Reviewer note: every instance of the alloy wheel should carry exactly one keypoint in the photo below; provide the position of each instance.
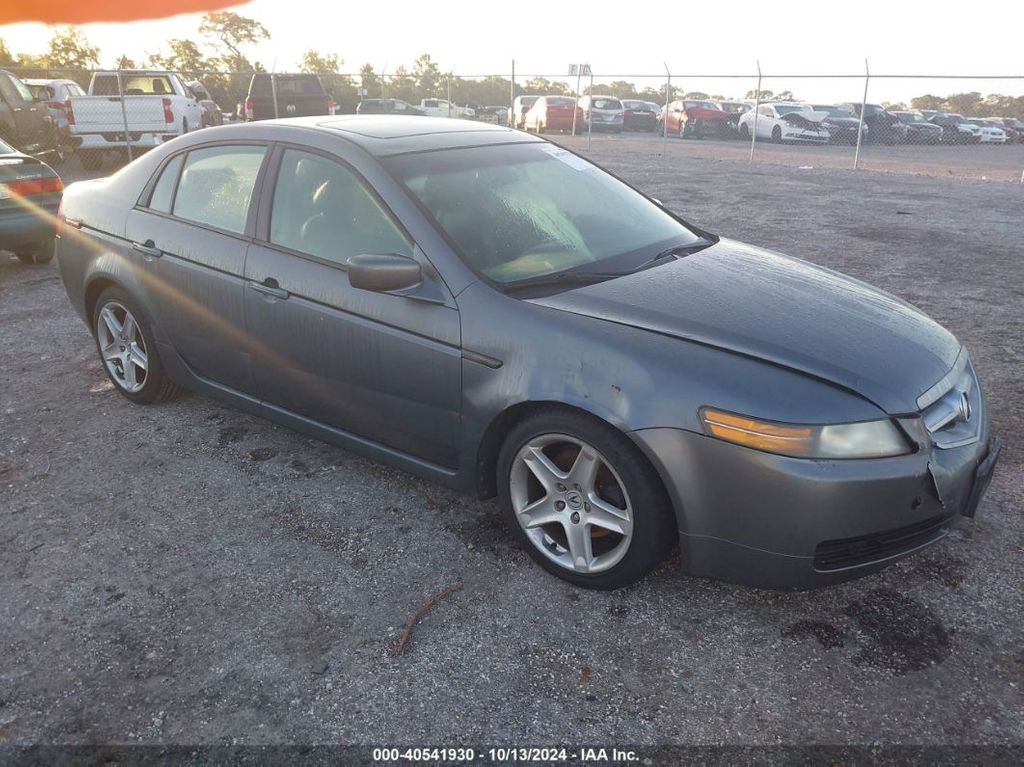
(571, 503)
(122, 346)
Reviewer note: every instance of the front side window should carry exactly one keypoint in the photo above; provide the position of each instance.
(323, 209)
(523, 211)
(216, 186)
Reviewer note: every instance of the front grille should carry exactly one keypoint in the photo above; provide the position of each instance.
(850, 552)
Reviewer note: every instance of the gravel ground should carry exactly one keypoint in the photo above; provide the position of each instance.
(187, 574)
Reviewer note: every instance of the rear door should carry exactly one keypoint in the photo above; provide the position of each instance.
(383, 366)
(190, 233)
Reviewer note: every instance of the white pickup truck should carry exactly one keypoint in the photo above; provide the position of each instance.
(441, 108)
(157, 107)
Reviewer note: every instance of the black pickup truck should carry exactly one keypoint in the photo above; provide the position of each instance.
(298, 95)
(25, 123)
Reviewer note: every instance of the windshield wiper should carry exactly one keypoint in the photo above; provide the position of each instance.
(675, 251)
(563, 278)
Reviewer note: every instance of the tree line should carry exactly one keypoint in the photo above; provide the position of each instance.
(219, 58)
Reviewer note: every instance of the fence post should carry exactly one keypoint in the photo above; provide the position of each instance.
(124, 115)
(512, 97)
(860, 123)
(590, 122)
(449, 94)
(664, 119)
(273, 94)
(757, 107)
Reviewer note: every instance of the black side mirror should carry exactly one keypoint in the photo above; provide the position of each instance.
(383, 272)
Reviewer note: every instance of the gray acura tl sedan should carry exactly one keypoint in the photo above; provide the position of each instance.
(483, 308)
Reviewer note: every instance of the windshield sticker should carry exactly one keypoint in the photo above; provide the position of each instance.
(574, 162)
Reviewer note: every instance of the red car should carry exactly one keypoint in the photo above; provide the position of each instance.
(694, 119)
(552, 113)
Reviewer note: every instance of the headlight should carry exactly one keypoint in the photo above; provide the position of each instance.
(867, 439)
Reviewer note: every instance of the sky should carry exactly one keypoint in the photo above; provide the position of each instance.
(725, 37)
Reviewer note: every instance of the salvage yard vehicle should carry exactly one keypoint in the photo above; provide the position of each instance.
(553, 113)
(30, 193)
(919, 130)
(694, 119)
(273, 95)
(443, 108)
(1014, 128)
(955, 129)
(600, 113)
(639, 115)
(57, 95)
(157, 108)
(842, 126)
(784, 122)
(883, 126)
(990, 133)
(387, 107)
(25, 121)
(734, 109)
(481, 307)
(517, 112)
(211, 112)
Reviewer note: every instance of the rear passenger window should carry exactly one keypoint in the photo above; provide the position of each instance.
(216, 186)
(163, 193)
(322, 208)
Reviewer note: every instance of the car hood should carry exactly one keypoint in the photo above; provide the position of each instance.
(805, 119)
(784, 311)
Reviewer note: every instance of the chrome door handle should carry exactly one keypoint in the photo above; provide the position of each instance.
(148, 249)
(269, 287)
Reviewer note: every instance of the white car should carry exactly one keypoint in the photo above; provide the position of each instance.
(602, 113)
(442, 108)
(990, 132)
(785, 122)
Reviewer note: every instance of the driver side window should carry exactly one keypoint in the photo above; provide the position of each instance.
(323, 209)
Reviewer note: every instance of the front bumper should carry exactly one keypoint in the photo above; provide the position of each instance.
(776, 522)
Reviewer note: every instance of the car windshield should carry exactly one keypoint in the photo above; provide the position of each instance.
(560, 101)
(522, 211)
(785, 109)
(601, 103)
(909, 117)
(699, 105)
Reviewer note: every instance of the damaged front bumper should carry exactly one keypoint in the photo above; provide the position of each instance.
(777, 522)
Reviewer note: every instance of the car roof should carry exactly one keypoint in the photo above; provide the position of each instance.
(388, 135)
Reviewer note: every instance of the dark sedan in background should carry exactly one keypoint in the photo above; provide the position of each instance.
(481, 307)
(30, 194)
(919, 130)
(842, 126)
(638, 115)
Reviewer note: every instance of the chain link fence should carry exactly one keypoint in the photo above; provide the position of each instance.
(961, 126)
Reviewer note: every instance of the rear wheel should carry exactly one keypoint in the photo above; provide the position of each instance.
(127, 348)
(42, 253)
(583, 501)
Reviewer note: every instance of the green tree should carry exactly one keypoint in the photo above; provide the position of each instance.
(968, 104)
(185, 57)
(125, 62)
(371, 81)
(927, 101)
(230, 32)
(428, 77)
(6, 57)
(766, 95)
(69, 49)
(541, 86)
(402, 85)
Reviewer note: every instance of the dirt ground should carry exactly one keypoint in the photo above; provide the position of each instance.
(187, 574)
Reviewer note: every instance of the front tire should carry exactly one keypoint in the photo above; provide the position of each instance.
(583, 500)
(127, 348)
(777, 134)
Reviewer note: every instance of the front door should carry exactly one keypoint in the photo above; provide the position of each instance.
(385, 367)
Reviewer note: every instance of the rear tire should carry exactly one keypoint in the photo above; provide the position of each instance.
(624, 479)
(41, 254)
(155, 384)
